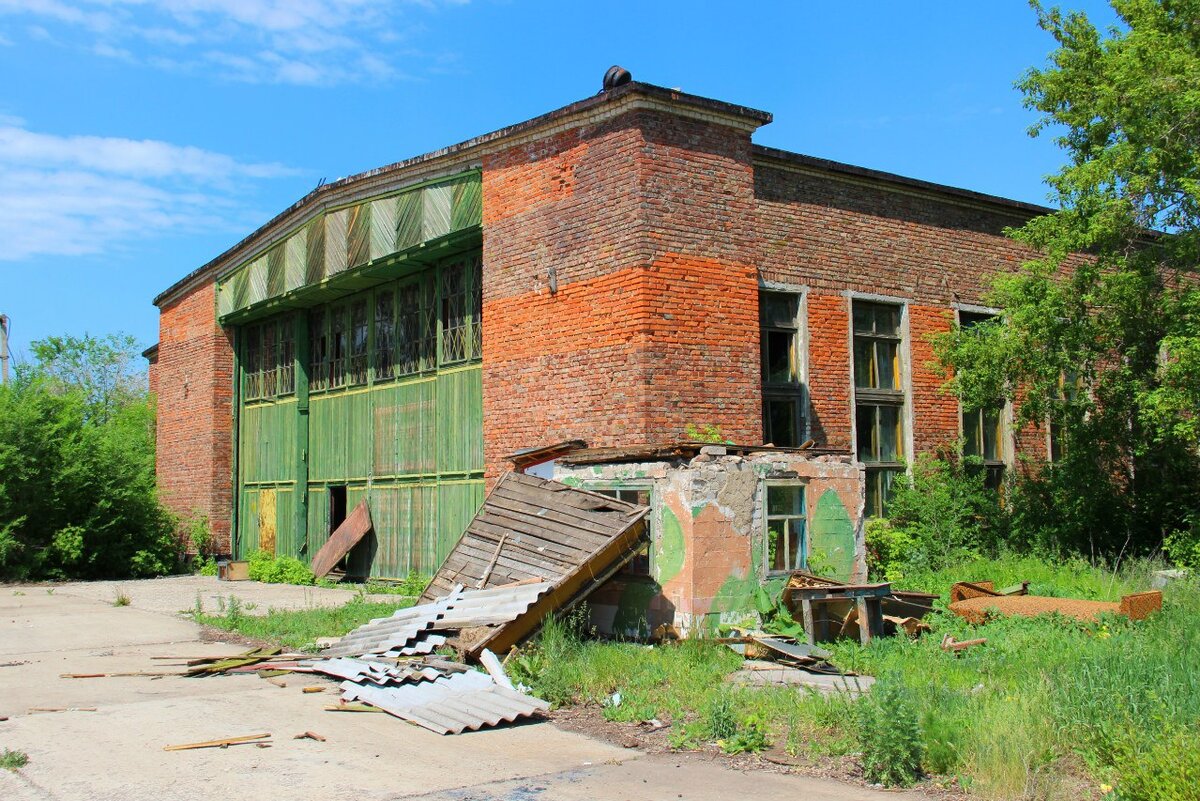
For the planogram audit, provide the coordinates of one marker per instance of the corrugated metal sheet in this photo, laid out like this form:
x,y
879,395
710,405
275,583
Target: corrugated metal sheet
x,y
450,705
403,632
382,674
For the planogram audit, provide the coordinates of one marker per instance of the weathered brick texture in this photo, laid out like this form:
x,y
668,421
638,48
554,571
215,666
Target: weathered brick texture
x,y
645,225
194,383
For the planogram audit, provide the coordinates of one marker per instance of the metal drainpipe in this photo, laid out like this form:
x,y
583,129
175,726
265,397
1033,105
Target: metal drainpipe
x,y
4,324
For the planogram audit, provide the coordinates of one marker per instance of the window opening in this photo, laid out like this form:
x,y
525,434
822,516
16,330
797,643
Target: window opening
x,y
252,369
878,398
786,546
318,350
358,341
639,565
784,412
455,318
269,359
984,429
338,346
285,382
385,335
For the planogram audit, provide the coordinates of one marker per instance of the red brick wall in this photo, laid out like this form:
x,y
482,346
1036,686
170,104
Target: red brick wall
x,y
839,236
646,222
194,383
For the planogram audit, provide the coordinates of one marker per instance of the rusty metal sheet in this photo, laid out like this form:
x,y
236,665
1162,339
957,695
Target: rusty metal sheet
x,y
347,535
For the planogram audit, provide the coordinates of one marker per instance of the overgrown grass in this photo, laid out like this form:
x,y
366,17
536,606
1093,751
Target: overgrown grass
x,y
298,628
1049,708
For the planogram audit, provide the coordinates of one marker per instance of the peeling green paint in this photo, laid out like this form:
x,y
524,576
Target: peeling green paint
x,y
571,481
832,535
671,547
736,594
634,608
697,509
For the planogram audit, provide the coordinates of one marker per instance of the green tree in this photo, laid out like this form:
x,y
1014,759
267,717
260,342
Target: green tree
x,y
77,485
1101,331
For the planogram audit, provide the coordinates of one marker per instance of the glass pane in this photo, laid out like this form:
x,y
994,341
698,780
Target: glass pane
x,y
777,547
864,318
891,433
287,355
338,346
358,341
455,318
780,357
970,427
887,364
317,350
270,358
782,422
868,450
477,309
385,335
409,336
864,363
796,542
990,425
873,506
785,500
779,309
887,320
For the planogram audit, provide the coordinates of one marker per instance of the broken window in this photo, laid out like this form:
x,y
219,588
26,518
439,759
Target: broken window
x,y
285,366
879,412
785,520
784,418
983,429
318,351
269,358
639,565
359,333
416,328
338,346
385,335
252,363
461,322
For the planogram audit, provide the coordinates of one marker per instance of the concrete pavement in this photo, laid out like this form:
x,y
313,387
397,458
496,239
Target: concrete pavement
x,y
117,752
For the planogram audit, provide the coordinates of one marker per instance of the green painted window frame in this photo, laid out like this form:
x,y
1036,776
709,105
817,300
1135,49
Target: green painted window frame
x,y
268,354
786,530
985,430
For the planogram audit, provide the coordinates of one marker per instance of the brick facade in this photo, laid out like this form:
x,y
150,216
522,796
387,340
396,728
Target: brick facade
x,y
193,380
625,240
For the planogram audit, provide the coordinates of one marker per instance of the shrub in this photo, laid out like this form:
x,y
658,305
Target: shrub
x,y
890,735
271,569
945,511
888,548
78,497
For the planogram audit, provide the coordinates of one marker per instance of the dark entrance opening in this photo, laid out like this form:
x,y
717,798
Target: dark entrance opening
x,y
337,507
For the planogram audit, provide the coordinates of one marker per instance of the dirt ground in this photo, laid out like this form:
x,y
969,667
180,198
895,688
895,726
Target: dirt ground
x,y
116,752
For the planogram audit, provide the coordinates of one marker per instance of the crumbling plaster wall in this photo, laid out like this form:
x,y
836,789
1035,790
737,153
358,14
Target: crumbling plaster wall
x,y
709,534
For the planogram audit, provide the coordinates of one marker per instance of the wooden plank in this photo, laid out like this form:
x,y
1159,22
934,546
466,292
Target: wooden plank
x,y
348,534
526,513
564,535
249,738
482,530
587,513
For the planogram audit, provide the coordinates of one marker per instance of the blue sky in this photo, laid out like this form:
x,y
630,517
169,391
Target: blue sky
x,y
141,138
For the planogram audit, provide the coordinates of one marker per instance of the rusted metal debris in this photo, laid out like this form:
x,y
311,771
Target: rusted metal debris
x,y
956,646
978,601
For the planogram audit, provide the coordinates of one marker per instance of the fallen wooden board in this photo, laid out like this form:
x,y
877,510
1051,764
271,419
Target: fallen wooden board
x,y
801,652
243,740
309,735
347,535
352,708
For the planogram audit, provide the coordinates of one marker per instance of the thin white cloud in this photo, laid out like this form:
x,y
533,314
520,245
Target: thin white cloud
x,y
302,42
79,195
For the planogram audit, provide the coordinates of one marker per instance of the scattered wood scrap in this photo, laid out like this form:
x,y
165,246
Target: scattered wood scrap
x,y
34,709
225,742
309,735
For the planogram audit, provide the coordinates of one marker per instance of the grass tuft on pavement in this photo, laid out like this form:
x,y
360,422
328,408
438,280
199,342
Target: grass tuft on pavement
x,y
299,628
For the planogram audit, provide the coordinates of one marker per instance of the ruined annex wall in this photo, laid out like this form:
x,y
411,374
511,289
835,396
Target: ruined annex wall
x,y
709,535
620,299
834,235
193,380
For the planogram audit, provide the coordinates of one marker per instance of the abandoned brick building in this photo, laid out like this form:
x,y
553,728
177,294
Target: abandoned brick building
x,y
615,271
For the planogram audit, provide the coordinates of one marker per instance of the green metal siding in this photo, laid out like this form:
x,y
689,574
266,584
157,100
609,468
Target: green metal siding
x,y
412,445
